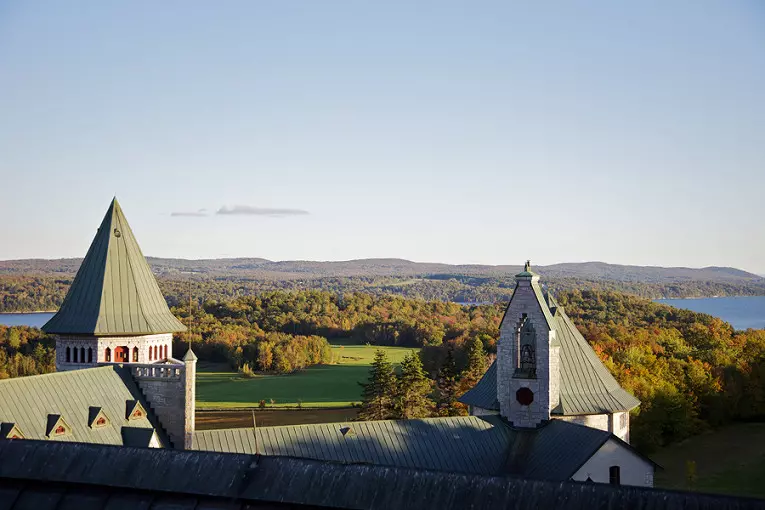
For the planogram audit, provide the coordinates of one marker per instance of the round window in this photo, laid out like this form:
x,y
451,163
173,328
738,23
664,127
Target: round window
x,y
524,396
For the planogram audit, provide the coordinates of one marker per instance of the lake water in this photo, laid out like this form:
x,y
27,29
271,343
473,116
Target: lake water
x,y
741,312
25,319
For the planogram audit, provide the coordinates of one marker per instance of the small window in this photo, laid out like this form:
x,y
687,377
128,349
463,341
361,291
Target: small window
x,y
82,354
108,354
614,475
68,354
156,352
75,354
135,354
165,352
90,355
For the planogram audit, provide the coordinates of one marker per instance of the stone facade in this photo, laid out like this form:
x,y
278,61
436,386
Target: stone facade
x,y
544,383
169,390
94,349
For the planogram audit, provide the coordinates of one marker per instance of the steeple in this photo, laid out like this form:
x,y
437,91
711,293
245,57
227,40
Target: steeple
x,y
114,292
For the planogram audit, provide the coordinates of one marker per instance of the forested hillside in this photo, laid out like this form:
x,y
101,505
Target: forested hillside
x,y
691,371
42,285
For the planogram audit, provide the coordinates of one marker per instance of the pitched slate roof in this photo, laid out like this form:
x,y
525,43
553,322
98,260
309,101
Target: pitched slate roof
x,y
586,385
114,292
42,476
466,444
31,401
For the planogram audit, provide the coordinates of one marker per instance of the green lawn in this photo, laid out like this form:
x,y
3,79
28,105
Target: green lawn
x,y
728,461
334,385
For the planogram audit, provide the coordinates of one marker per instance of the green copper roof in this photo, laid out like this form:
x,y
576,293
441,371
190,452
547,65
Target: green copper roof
x,y
527,272
77,397
114,292
483,445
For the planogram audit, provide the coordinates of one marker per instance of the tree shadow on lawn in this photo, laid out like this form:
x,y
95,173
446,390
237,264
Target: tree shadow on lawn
x,y
337,384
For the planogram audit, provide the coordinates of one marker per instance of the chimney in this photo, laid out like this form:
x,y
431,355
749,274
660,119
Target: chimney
x,y
190,360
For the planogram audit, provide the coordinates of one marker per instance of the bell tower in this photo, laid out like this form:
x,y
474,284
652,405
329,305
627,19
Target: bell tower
x,y
528,355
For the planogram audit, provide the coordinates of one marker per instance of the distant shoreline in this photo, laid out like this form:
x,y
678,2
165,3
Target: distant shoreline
x,y
27,313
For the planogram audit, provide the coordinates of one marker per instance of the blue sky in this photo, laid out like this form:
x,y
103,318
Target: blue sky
x,y
462,132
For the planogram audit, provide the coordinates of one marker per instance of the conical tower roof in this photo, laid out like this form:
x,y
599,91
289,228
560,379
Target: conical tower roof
x,y
114,292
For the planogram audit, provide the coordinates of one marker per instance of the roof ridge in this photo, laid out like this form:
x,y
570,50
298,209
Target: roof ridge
x,y
351,422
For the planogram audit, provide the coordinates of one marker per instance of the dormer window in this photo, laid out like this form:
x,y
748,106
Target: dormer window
x,y
135,410
97,418
10,431
57,427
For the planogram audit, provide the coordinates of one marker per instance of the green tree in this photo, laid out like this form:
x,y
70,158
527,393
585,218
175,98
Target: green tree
x,y
476,366
447,385
379,391
414,387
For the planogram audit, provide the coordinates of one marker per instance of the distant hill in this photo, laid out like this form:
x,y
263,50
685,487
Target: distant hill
x,y
300,269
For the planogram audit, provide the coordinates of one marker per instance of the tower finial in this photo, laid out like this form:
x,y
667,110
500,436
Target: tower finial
x,y
527,267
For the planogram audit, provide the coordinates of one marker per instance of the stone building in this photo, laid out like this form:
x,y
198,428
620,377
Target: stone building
x,y
545,369
117,381
547,409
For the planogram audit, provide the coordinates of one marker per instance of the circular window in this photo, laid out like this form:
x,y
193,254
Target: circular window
x,y
117,233
524,396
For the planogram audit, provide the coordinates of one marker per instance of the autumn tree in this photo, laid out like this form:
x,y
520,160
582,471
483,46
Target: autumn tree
x,y
476,366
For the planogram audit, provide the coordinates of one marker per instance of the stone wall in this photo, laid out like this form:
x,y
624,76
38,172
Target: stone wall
x,y
164,386
595,421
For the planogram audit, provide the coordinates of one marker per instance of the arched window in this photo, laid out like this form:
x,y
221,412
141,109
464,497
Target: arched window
x,y
151,356
165,352
108,354
68,355
614,475
90,355
75,355
156,352
526,364
82,354
135,354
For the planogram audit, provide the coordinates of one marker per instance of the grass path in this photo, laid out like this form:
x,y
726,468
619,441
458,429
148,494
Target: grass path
x,y
333,385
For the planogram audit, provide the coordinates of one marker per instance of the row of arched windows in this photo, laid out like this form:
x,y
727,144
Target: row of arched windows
x,y
157,352
77,355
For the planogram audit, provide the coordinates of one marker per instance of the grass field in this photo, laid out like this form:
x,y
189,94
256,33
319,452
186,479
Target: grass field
x,y
728,461
334,385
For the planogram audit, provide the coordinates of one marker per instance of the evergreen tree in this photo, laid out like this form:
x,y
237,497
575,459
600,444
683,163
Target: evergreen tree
x,y
476,365
412,400
448,388
380,391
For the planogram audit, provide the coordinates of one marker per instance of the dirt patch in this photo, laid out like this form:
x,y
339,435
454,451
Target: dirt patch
x,y
238,418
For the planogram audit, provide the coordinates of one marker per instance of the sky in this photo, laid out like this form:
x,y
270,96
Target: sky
x,y
438,131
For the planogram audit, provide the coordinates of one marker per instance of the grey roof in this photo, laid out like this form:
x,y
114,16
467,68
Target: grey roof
x,y
466,444
484,393
586,385
32,402
114,292
36,475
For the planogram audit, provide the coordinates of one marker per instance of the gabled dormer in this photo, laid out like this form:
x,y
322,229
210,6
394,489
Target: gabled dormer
x,y
10,431
134,410
57,427
97,418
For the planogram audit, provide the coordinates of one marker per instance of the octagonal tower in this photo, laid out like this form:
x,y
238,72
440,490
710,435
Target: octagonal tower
x,y
114,311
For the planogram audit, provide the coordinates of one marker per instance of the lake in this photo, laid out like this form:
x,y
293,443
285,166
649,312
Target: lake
x,y
741,312
25,319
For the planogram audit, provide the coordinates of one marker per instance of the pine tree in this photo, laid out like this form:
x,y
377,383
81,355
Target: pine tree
x,y
379,392
448,389
476,365
412,399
